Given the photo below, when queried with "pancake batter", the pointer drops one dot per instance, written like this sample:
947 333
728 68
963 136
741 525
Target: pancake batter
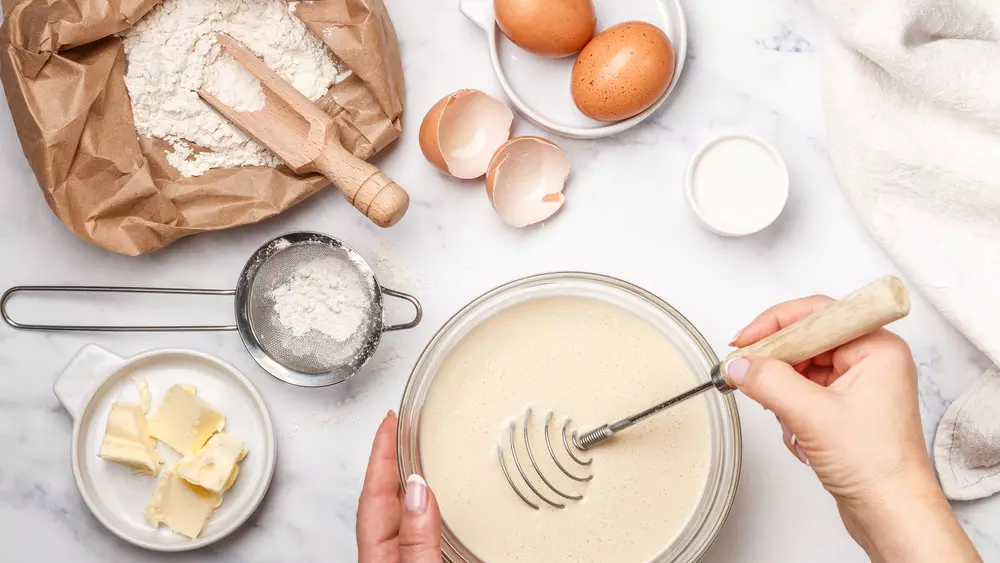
592 361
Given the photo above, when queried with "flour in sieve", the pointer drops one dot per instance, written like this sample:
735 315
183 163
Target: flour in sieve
172 53
325 295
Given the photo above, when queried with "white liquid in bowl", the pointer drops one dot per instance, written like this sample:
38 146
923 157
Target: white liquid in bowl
594 362
737 184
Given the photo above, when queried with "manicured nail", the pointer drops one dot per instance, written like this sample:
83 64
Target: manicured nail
416 494
737 369
799 453
389 414
732 341
786 433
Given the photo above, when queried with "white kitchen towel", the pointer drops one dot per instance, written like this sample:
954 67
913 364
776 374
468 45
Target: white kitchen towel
967 447
912 96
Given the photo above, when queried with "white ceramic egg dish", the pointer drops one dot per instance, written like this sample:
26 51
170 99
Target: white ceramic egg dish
539 87
96 378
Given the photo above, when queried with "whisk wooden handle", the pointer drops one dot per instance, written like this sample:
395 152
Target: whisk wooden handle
364 185
864 311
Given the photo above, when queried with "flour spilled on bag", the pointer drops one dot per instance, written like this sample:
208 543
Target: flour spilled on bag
173 52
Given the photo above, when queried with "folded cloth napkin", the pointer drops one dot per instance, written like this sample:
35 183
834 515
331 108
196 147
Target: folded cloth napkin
967 447
912 97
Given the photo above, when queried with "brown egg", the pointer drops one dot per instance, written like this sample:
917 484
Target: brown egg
622 71
550 28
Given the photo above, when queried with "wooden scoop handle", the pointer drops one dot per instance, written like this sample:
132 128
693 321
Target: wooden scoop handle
365 186
304 137
862 312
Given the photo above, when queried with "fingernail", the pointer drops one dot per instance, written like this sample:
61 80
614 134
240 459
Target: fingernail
389 414
416 494
737 369
799 453
732 341
786 433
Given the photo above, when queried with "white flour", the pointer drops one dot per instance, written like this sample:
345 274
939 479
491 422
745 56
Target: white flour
324 295
173 52
244 92
391 264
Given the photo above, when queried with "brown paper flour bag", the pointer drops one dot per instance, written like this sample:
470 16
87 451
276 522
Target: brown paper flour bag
63 72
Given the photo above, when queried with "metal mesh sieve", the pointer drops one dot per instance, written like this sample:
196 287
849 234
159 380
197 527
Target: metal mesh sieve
312 359
313 352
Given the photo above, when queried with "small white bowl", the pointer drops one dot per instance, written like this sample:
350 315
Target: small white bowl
539 87
769 201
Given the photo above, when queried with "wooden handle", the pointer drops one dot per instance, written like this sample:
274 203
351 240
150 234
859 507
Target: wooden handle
862 312
382 200
304 137
364 185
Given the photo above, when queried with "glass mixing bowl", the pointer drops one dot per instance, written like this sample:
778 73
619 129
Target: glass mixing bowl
726 448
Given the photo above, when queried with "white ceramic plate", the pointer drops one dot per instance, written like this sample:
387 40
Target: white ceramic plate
95 378
540 87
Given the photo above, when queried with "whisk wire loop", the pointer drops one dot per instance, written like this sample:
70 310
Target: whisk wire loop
530 482
555 458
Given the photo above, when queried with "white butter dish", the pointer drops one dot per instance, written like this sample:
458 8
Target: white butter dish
95 378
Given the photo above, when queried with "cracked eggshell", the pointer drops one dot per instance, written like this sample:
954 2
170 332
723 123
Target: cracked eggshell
462 131
525 180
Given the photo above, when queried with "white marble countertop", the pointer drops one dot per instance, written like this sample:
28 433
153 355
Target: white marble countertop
753 66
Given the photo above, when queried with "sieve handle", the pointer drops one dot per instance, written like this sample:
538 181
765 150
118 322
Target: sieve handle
419 310
110 289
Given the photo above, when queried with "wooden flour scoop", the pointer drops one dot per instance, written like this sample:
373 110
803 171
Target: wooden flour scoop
303 136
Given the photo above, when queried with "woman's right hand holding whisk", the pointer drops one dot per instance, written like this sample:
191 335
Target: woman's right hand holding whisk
852 415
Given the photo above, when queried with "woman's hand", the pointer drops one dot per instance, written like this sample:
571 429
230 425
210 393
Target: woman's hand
852 415
394 527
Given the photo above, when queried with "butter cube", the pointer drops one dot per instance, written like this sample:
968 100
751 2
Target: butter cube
126 440
145 399
184 421
215 466
232 476
183 507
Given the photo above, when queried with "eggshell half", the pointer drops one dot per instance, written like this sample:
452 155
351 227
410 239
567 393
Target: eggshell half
461 132
525 180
